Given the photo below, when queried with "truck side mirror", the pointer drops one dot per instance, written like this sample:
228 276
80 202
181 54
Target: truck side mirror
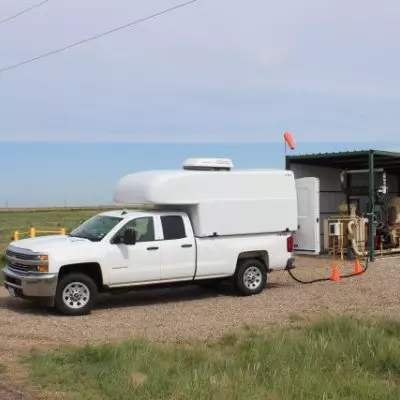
129 236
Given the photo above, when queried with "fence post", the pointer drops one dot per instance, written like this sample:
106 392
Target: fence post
16 236
32 232
63 231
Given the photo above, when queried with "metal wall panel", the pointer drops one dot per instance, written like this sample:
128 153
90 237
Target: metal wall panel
329 177
331 195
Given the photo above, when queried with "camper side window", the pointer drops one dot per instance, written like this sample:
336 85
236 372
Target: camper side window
173 227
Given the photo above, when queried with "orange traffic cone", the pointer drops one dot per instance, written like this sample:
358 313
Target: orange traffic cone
335 273
357 267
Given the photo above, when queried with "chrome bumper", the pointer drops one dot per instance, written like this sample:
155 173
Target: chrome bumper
30 284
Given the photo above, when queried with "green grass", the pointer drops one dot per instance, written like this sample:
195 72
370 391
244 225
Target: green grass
336 358
41 219
22 220
3 368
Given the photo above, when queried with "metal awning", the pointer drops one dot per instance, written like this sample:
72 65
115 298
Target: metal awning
390 161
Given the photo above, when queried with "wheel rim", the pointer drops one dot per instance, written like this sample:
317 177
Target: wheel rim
252 278
76 295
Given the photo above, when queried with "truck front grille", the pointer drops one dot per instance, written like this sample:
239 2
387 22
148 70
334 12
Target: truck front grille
19 267
20 256
20 262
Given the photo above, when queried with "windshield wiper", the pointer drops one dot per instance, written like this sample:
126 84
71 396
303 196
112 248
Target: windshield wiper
77 236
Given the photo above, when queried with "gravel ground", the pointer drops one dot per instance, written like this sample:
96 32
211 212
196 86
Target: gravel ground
195 313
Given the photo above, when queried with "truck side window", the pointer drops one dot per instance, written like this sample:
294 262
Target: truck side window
144 228
173 227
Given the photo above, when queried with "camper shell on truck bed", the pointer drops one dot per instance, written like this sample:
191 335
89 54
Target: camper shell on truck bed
209 224
219 203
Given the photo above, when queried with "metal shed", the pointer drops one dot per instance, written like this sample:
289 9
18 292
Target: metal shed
330 167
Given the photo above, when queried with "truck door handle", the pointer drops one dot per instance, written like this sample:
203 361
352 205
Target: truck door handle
186 245
152 248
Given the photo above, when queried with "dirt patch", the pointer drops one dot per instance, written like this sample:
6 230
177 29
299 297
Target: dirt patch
7 393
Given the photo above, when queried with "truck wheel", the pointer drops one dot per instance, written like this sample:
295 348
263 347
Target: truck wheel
250 277
76 294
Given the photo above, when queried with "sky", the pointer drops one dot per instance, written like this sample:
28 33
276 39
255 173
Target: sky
216 78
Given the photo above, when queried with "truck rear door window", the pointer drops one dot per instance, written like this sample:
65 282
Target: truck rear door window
173 227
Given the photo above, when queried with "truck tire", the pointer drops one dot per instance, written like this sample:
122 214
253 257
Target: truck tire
250 277
76 294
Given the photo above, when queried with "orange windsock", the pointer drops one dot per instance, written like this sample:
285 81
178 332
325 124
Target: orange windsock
289 140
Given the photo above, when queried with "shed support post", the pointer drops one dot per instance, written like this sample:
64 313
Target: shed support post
371 203
350 251
287 163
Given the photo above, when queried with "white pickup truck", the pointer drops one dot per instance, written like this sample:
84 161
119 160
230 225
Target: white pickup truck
204 224
122 249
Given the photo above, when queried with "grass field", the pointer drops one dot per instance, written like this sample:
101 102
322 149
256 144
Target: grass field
336 358
46 219
50 219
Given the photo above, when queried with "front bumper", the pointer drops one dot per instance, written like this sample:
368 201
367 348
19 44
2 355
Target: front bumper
30 284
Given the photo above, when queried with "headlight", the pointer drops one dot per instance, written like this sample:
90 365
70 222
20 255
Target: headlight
43 268
44 264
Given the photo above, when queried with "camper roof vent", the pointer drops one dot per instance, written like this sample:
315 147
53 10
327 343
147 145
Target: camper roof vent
208 164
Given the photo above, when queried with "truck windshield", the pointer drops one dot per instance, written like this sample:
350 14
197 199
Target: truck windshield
96 228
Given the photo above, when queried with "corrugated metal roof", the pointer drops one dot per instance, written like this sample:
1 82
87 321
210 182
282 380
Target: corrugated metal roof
349 153
358 159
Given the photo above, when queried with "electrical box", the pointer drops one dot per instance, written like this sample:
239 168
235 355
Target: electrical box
334 229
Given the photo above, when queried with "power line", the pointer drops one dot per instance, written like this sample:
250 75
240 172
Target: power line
26 10
138 21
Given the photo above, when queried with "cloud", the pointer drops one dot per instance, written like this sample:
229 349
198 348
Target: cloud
198 138
211 72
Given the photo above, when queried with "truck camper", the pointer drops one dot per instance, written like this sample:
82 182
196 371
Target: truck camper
204 222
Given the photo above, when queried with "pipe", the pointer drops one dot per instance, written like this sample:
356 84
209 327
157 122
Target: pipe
363 171
360 171
353 242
